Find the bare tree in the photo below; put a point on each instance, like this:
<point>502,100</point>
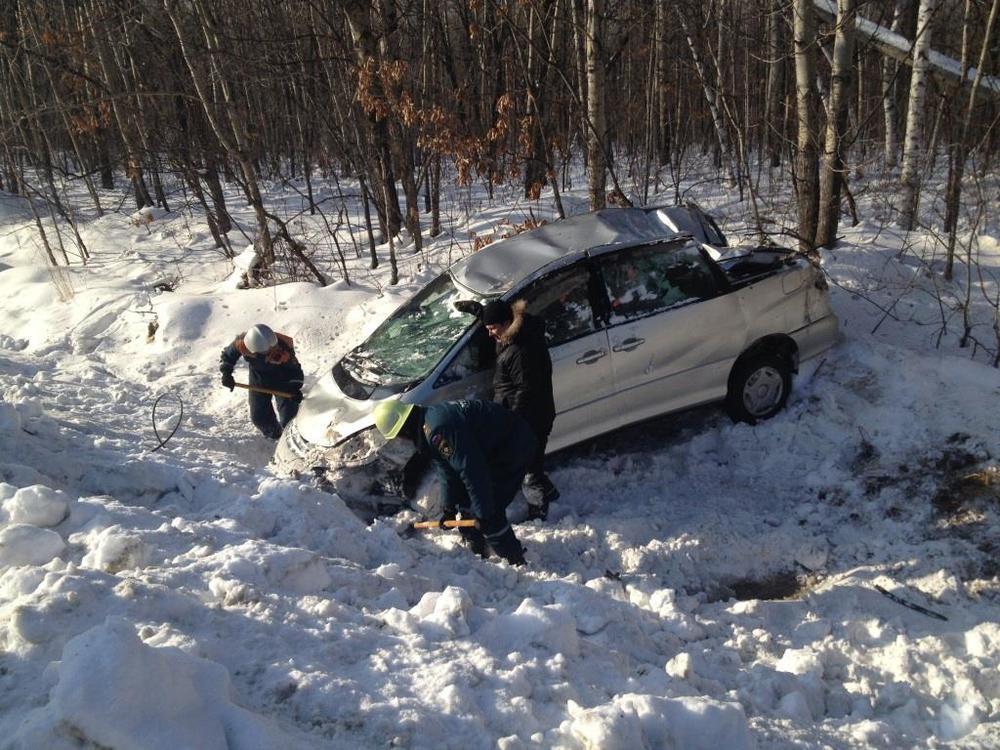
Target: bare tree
<point>806,168</point>
<point>890,69</point>
<point>915,116</point>
<point>834,172</point>
<point>596,126</point>
<point>959,150</point>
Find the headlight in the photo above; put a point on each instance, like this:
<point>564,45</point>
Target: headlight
<point>358,449</point>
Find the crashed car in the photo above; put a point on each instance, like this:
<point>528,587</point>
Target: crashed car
<point>647,311</point>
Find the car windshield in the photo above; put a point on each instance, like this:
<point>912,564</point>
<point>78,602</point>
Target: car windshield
<point>408,345</point>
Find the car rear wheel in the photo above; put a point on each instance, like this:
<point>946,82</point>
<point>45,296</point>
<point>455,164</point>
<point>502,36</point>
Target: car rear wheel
<point>758,387</point>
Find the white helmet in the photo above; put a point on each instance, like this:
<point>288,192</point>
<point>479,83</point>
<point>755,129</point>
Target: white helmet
<point>260,339</point>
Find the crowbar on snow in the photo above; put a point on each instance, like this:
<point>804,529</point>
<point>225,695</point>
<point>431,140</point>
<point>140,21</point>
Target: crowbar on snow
<point>258,389</point>
<point>464,523</point>
<point>911,605</point>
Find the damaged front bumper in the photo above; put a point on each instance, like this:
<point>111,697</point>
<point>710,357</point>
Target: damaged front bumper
<point>370,474</point>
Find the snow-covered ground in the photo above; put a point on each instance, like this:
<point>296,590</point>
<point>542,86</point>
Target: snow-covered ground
<point>699,584</point>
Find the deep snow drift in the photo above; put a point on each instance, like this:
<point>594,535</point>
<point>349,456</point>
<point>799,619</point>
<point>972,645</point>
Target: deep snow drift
<point>699,584</point>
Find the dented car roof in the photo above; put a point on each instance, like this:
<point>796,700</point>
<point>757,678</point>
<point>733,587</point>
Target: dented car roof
<point>498,266</point>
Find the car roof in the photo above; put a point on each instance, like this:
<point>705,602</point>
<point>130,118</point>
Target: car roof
<point>498,266</point>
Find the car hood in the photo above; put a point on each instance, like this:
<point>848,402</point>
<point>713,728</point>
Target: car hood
<point>328,416</point>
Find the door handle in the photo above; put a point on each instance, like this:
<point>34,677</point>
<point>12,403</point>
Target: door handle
<point>628,345</point>
<point>588,358</point>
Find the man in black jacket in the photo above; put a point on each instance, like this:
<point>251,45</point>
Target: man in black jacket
<point>522,382</point>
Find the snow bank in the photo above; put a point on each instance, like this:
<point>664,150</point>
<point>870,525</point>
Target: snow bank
<point>114,691</point>
<point>24,544</point>
<point>638,721</point>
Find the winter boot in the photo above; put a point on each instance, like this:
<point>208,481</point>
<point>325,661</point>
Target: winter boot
<point>473,539</point>
<point>507,546</point>
<point>540,511</point>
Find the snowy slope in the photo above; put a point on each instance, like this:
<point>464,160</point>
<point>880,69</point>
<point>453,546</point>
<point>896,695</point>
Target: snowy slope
<point>699,584</point>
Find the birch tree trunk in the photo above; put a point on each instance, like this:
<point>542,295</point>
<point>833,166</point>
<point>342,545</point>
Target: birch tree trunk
<point>597,129</point>
<point>834,170</point>
<point>806,168</point>
<point>915,117</point>
<point>535,169</point>
<point>712,97</point>
<point>663,102</point>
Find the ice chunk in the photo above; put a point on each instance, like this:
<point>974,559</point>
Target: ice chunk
<point>38,505</point>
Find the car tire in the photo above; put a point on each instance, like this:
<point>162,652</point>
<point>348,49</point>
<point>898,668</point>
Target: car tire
<point>758,387</point>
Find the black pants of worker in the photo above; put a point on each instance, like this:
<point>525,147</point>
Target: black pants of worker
<point>537,488</point>
<point>494,531</point>
<point>263,416</point>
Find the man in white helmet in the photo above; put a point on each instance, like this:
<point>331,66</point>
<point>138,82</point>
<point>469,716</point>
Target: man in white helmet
<point>272,364</point>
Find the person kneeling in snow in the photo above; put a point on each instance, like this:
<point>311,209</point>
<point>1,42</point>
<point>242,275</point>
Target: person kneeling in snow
<point>480,451</point>
<point>272,363</point>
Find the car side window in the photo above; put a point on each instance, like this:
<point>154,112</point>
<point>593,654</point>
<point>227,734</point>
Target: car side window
<point>476,355</point>
<point>562,300</point>
<point>646,280</point>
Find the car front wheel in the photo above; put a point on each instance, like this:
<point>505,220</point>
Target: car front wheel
<point>758,387</point>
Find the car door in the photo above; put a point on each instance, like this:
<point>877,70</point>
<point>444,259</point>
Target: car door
<point>582,381</point>
<point>673,334</point>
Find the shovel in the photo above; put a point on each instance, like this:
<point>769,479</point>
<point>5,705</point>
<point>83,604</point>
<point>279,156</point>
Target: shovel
<point>258,389</point>
<point>464,523</point>
<point>416,527</point>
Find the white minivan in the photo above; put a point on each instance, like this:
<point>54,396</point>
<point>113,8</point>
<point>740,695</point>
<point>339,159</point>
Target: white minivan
<point>646,311</point>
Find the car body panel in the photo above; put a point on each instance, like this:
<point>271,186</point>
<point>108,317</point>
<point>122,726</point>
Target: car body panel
<point>582,380</point>
<point>676,365</point>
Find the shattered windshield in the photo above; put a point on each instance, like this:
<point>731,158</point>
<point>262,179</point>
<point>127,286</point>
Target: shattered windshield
<point>408,345</point>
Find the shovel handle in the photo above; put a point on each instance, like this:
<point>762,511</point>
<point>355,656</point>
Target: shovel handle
<point>258,389</point>
<point>464,523</point>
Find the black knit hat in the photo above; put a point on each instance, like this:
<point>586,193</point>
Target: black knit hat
<point>497,312</point>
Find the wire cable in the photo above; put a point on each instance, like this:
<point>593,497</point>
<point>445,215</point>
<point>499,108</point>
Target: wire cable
<point>160,440</point>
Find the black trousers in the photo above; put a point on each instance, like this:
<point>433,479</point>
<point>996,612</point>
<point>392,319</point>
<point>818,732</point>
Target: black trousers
<point>537,487</point>
<point>263,416</point>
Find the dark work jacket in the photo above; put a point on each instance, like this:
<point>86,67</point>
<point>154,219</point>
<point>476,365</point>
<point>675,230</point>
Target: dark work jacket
<point>480,452</point>
<point>278,369</point>
<point>522,380</point>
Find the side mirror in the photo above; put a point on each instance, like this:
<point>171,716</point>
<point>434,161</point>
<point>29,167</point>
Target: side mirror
<point>468,306</point>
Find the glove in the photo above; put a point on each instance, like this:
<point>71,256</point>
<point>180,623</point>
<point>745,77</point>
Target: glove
<point>228,381</point>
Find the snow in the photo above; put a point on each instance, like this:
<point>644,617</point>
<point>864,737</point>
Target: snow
<point>700,584</point>
<point>113,690</point>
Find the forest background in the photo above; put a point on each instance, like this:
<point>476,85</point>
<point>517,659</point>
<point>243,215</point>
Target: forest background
<point>399,95</point>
